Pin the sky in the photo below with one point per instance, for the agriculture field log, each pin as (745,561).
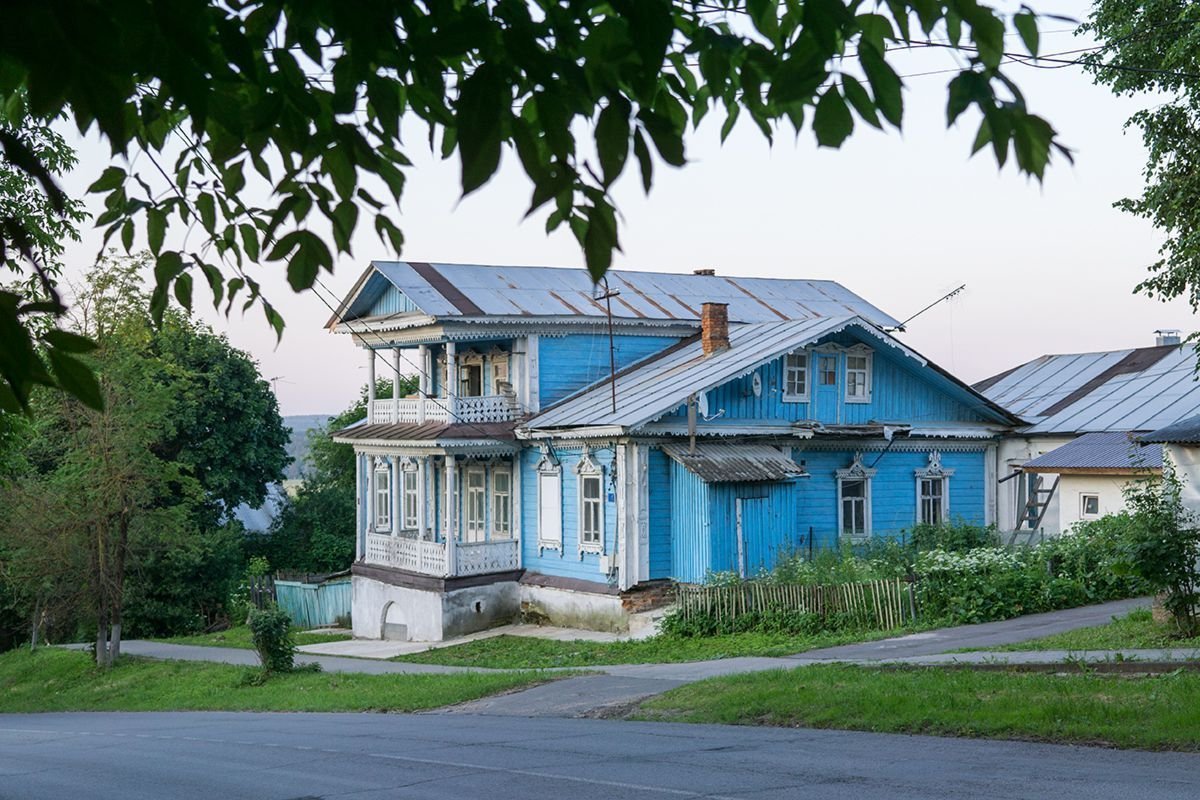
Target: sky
(899,218)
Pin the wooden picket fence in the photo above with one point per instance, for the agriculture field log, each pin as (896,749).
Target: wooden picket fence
(883,604)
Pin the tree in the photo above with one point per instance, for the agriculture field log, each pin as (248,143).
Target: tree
(1153,48)
(305,100)
(314,532)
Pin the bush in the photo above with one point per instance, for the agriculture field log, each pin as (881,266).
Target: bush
(271,631)
(955,537)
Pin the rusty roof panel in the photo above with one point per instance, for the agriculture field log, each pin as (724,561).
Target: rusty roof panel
(734,463)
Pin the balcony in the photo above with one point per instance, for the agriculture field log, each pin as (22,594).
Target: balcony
(408,410)
(431,558)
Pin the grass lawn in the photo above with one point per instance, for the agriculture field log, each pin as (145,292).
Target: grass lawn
(1135,630)
(1161,712)
(240,637)
(50,679)
(523,652)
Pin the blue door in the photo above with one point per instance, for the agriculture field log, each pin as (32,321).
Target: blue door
(825,388)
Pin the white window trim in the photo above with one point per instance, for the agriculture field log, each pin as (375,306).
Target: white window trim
(409,467)
(856,472)
(934,469)
(1082,499)
(381,522)
(792,397)
(496,359)
(477,532)
(507,533)
(588,468)
(862,351)
(548,467)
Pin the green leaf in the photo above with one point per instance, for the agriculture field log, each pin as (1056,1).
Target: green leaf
(832,122)
(858,97)
(1026,24)
(183,290)
(76,378)
(667,137)
(612,137)
(127,235)
(206,206)
(68,342)
(483,102)
(156,228)
(886,85)
(645,162)
(110,179)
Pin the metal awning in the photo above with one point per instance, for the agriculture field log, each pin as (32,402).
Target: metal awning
(724,462)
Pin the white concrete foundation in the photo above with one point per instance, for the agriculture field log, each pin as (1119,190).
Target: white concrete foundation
(568,608)
(384,611)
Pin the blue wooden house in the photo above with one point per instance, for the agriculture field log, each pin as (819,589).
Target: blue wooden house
(573,449)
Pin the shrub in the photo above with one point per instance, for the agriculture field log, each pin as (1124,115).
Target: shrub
(271,631)
(956,537)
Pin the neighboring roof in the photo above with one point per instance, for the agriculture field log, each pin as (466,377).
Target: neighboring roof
(1104,451)
(1123,390)
(734,463)
(1186,431)
(663,382)
(472,291)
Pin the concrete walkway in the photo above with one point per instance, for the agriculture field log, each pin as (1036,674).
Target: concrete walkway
(607,687)
(376,648)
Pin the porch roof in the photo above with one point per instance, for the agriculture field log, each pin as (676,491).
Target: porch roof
(722,462)
(435,434)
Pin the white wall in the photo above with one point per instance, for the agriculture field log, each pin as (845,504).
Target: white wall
(1187,468)
(1013,452)
(1109,488)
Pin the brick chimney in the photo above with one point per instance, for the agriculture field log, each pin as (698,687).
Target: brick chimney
(714,327)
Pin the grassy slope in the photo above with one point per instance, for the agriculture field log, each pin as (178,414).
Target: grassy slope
(240,637)
(1134,631)
(66,680)
(1155,712)
(520,652)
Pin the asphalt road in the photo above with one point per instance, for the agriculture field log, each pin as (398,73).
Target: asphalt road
(285,756)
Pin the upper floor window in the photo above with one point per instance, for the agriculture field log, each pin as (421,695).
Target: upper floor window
(502,503)
(827,370)
(795,377)
(500,381)
(858,376)
(382,511)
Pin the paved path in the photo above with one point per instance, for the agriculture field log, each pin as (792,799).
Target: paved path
(620,685)
(197,756)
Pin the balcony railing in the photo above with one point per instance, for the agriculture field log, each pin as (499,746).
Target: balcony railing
(407,410)
(430,558)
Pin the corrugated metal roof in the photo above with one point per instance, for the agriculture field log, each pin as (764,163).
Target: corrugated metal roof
(1186,431)
(1123,390)
(426,432)
(662,383)
(734,463)
(475,290)
(1102,450)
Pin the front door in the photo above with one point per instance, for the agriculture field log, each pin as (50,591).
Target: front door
(825,388)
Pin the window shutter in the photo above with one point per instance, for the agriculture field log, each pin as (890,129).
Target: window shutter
(550,508)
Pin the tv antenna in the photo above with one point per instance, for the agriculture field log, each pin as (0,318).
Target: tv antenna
(944,297)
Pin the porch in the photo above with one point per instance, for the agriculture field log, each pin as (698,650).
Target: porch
(413,515)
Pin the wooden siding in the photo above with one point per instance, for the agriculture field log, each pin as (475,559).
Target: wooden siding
(691,512)
(392,301)
(901,391)
(569,363)
(765,537)
(568,562)
(659,482)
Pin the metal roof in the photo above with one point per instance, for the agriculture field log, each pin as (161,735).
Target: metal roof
(1099,451)
(734,463)
(477,290)
(424,432)
(1186,431)
(665,381)
(1123,390)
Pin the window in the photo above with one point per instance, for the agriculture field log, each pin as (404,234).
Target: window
(858,377)
(470,380)
(501,503)
(409,499)
(854,507)
(549,485)
(591,512)
(930,502)
(1089,506)
(933,491)
(854,499)
(795,377)
(827,370)
(500,382)
(476,530)
(383,496)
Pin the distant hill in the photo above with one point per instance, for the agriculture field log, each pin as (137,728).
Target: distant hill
(300,425)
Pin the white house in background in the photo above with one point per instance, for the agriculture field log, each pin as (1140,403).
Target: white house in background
(1065,397)
(1181,449)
